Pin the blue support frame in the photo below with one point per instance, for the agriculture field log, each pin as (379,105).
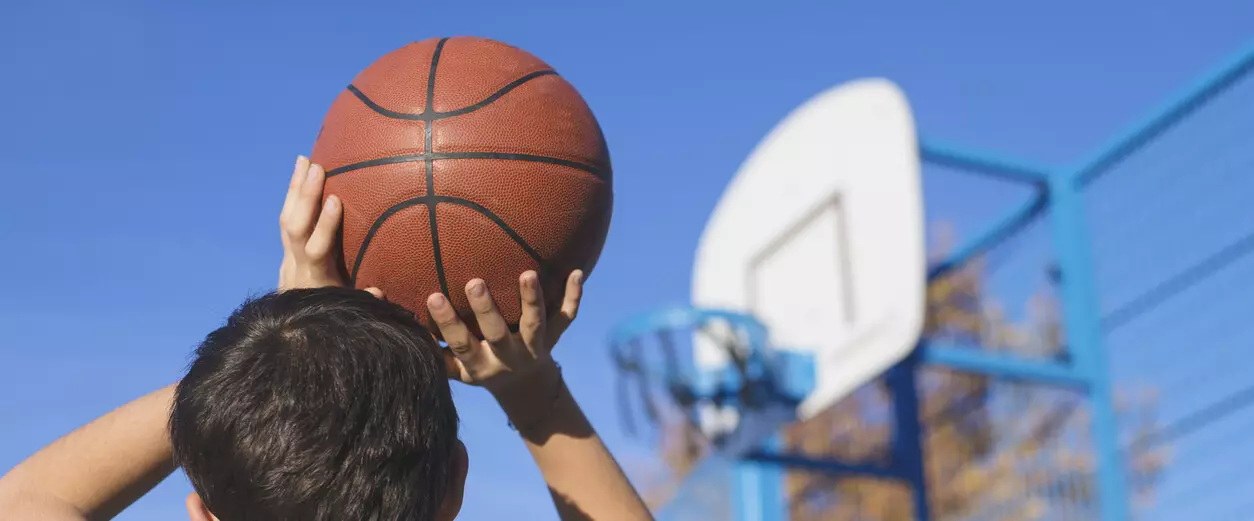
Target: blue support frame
(980,162)
(758,489)
(908,436)
(1056,191)
(1084,338)
(1003,366)
(1164,117)
(758,474)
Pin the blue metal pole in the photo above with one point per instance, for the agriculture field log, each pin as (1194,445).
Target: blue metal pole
(758,490)
(1166,115)
(982,162)
(1001,365)
(908,434)
(1084,337)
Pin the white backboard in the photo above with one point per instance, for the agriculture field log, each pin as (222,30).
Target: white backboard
(820,235)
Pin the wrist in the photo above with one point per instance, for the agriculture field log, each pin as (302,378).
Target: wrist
(531,399)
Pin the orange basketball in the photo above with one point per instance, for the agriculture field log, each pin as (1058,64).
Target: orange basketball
(464,158)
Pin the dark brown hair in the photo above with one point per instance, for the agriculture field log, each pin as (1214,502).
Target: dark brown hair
(317,405)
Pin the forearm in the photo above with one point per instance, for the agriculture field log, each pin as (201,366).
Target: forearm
(583,477)
(97,470)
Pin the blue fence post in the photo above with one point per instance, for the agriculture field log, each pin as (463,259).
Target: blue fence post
(758,489)
(1084,338)
(908,432)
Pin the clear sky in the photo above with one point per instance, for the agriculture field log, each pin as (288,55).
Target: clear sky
(146,146)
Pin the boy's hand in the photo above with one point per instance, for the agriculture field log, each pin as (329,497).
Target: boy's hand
(309,231)
(503,361)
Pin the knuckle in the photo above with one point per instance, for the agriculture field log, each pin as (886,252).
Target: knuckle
(467,353)
(530,324)
(447,322)
(294,231)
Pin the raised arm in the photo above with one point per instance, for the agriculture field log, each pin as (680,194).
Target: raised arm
(96,471)
(583,477)
(518,369)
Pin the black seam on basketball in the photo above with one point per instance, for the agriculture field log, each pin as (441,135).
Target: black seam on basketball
(495,95)
(435,62)
(407,158)
(382,111)
(431,201)
(600,174)
(435,250)
(505,227)
(427,146)
(429,114)
(437,156)
(374,228)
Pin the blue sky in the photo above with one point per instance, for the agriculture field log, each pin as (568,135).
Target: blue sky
(147,145)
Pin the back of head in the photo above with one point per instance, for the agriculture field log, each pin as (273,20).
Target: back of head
(322,404)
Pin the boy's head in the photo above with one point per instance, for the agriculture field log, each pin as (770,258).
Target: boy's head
(319,405)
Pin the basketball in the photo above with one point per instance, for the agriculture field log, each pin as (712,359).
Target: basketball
(462,158)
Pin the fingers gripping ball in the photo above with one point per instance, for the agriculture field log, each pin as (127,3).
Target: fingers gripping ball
(464,158)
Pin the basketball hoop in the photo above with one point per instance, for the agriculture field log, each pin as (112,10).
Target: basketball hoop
(752,392)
